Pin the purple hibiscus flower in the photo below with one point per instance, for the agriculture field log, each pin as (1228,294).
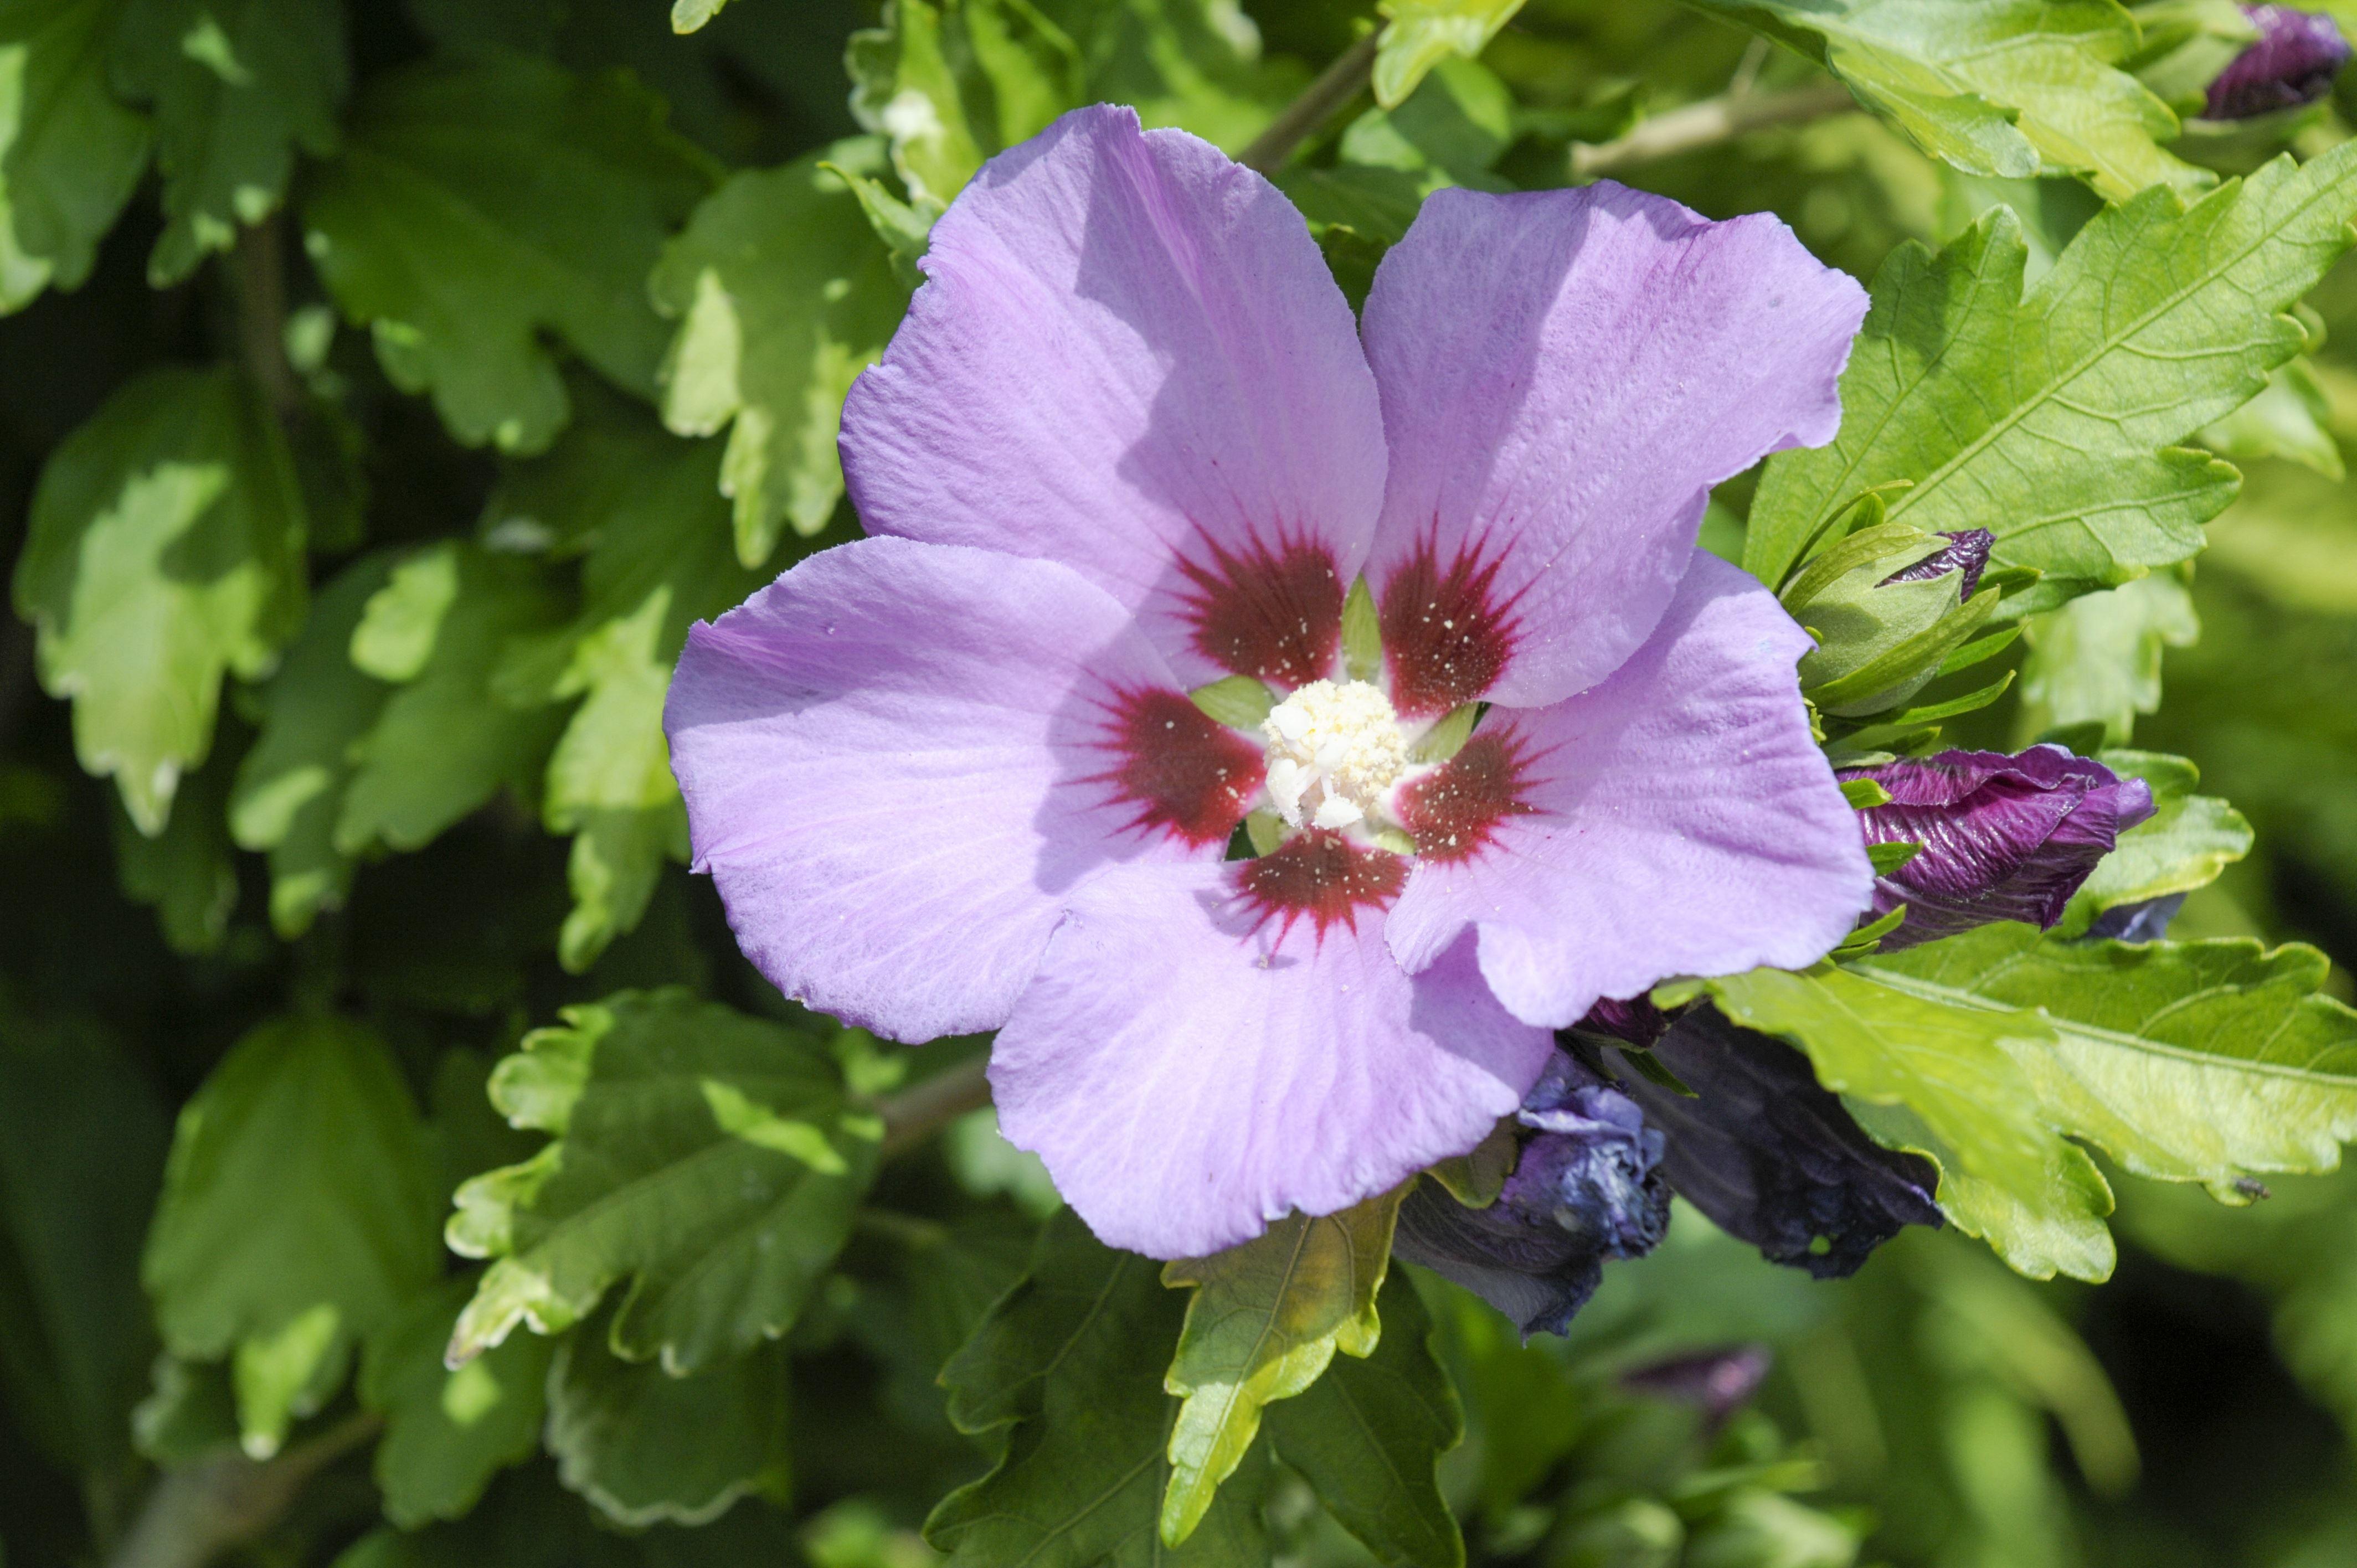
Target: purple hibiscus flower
(1128,443)
(2005,838)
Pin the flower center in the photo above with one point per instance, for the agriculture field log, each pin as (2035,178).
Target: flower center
(1334,748)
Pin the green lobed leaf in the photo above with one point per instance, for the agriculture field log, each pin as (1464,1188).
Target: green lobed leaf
(1941,1077)
(188,872)
(1069,1364)
(1422,34)
(2004,88)
(1367,1435)
(290,785)
(70,153)
(1265,1321)
(297,1214)
(2188,1061)
(641,507)
(783,294)
(949,83)
(443,744)
(2157,319)
(2188,841)
(711,1158)
(166,550)
(644,1445)
(447,1433)
(237,85)
(483,203)
(2096,660)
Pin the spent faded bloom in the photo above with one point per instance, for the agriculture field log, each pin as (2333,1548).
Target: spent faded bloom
(2293,61)
(2004,837)
(1770,1155)
(1130,448)
(1587,1186)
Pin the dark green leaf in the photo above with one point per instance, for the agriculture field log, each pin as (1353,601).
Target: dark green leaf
(644,1445)
(710,1156)
(71,153)
(297,1214)
(1368,1433)
(479,205)
(188,872)
(1070,1361)
(447,1433)
(237,85)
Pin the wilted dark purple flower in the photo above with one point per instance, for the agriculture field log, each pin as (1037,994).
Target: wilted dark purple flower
(2141,922)
(2293,62)
(1588,1186)
(2005,838)
(1967,553)
(1772,1156)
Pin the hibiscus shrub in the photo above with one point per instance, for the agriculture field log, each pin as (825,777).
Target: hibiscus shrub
(1059,781)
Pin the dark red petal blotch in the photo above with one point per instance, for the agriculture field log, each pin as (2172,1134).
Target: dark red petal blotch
(1275,615)
(1446,635)
(1183,771)
(1452,812)
(1322,875)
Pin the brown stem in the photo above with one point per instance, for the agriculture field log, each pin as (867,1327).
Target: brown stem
(919,1111)
(1335,86)
(1706,124)
(258,271)
(198,1511)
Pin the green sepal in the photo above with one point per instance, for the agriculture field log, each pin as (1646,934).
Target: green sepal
(1889,857)
(1237,701)
(1362,634)
(1448,734)
(1266,831)
(1865,794)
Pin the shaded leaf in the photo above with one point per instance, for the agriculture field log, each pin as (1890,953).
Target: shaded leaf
(237,85)
(1367,1434)
(482,203)
(1265,1319)
(166,550)
(711,1158)
(2007,88)
(949,83)
(783,295)
(2096,660)
(2156,319)
(297,1214)
(1070,1365)
(2290,418)
(1421,34)
(70,153)
(290,785)
(645,1445)
(188,873)
(447,1433)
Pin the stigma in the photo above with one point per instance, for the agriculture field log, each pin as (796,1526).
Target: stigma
(1335,750)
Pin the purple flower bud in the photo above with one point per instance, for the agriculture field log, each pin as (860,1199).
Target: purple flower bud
(1636,1020)
(1772,1156)
(2005,838)
(1585,1187)
(1967,553)
(1719,1381)
(2294,61)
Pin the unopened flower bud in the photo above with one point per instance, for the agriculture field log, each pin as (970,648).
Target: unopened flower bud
(1586,1187)
(2293,62)
(1886,605)
(1636,1021)
(2004,837)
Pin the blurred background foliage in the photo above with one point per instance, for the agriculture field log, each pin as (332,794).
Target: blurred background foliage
(511,513)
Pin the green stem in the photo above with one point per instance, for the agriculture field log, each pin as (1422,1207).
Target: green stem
(1336,86)
(1707,124)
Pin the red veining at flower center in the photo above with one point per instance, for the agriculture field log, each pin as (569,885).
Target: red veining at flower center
(1454,810)
(1272,614)
(1446,638)
(1320,874)
(1182,769)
